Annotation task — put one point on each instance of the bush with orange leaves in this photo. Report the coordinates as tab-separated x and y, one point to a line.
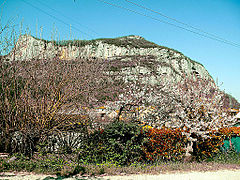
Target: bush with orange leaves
230	131
164	144
170	144
207	147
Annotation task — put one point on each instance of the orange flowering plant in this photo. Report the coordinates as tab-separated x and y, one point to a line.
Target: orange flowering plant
164	144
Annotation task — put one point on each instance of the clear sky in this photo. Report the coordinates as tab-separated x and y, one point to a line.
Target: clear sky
90	19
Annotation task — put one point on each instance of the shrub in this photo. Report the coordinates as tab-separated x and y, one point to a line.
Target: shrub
11	87
207	148
118	142
50	163
164	144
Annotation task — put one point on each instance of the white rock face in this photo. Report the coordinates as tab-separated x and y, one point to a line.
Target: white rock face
170	62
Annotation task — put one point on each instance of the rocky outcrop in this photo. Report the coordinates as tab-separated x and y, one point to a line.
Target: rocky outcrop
161	60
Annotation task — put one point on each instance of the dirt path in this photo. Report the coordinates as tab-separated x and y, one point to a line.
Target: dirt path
216	175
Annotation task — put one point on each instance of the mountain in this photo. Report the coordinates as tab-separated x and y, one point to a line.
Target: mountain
151	60
166	60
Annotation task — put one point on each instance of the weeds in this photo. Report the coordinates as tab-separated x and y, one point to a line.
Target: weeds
40	164
229	156
67	168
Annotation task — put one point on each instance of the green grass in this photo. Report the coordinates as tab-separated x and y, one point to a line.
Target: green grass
226	157
67	166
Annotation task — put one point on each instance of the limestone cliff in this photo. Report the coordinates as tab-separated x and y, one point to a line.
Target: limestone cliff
154	61
165	61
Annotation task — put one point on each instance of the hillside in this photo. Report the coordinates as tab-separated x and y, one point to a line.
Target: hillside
168	61
128	55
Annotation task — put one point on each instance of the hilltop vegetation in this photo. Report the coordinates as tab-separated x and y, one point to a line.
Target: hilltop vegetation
130	41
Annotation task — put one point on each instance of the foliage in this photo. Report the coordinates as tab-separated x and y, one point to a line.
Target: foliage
194	104
36	96
229	156
229	131
118	142
41	164
79	169
33	99
67	166
207	148
30	112
164	144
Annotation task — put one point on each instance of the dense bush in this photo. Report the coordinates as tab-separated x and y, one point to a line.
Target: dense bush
118	142
124	143
207	148
164	144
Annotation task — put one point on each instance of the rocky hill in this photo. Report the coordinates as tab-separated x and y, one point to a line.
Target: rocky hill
152	61
164	60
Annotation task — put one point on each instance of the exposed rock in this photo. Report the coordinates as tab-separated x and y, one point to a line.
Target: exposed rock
161	60
132	56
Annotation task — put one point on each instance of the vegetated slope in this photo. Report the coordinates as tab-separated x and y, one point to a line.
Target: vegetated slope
132	56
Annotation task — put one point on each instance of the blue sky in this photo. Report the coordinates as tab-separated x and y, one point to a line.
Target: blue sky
89	19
